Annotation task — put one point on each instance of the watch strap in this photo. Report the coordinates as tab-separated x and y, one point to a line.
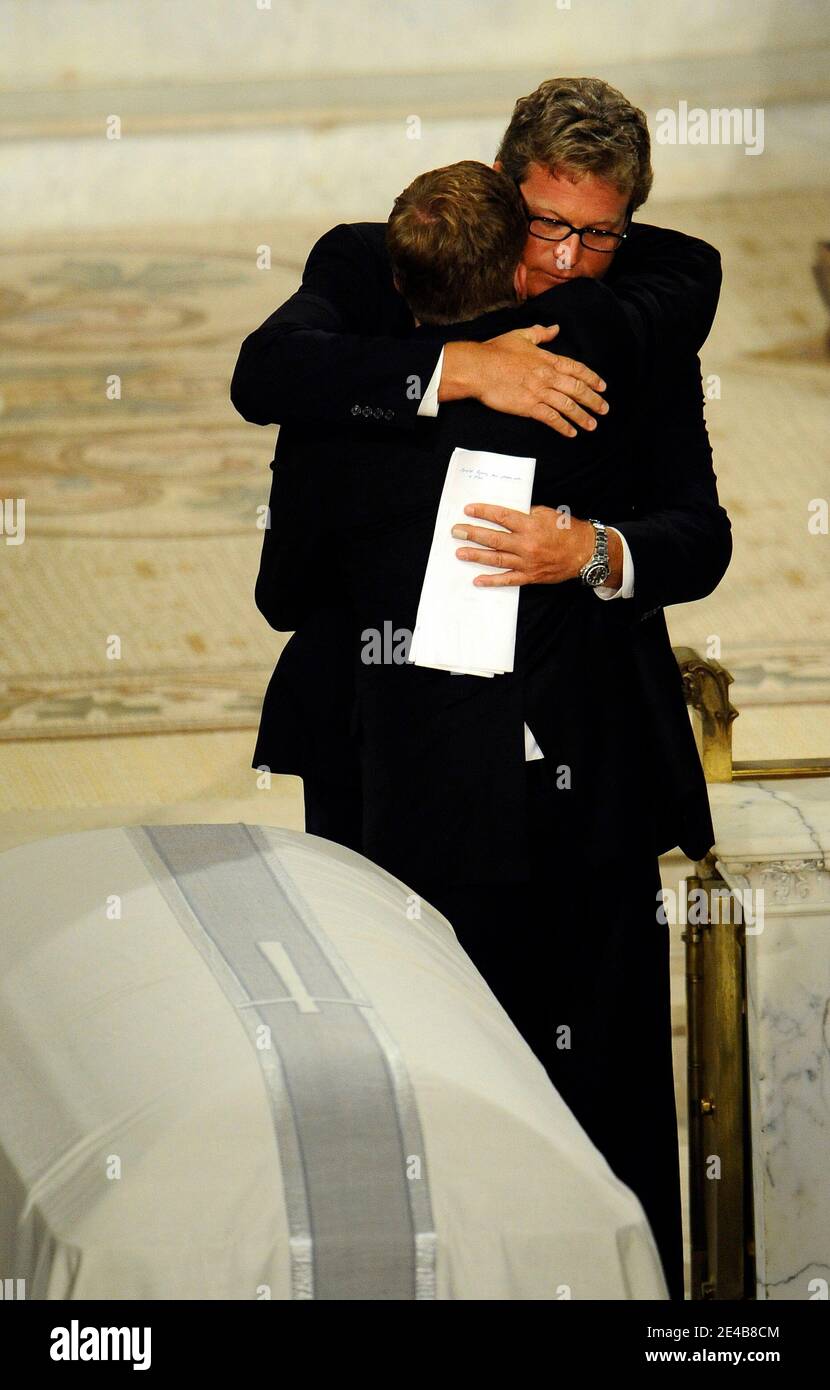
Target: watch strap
595	570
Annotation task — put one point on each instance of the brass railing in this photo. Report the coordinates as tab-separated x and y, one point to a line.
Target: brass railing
720	1147
706	684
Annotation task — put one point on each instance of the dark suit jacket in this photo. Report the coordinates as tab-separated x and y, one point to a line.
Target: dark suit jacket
678	534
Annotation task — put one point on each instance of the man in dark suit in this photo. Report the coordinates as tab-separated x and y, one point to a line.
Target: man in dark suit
341	349
369	501
619	971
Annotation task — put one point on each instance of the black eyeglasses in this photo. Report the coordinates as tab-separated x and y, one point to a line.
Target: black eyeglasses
554	229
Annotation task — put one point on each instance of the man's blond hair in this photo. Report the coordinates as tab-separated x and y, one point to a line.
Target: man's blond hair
455	237
576	126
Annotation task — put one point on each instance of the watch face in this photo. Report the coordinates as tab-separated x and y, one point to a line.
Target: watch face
596	574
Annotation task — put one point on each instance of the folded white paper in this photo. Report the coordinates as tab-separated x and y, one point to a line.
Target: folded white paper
461	627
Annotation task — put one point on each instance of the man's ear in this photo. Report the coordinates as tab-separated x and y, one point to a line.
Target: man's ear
520	281
498	166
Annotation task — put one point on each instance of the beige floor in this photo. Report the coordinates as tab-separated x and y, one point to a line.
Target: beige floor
769	431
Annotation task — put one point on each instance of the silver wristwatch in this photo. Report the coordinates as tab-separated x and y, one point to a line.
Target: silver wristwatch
595	571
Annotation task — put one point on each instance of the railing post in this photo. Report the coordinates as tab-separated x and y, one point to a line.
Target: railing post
706	686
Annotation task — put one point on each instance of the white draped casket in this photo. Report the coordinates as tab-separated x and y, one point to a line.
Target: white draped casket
235	1063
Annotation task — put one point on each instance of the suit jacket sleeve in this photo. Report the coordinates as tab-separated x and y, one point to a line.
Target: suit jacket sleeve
318	357
680	536
666	292
667	287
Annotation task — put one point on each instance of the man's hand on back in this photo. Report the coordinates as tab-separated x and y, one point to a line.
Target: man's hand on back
542	546
513	374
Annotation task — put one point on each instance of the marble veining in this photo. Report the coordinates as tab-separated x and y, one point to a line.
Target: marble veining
774	836
772	821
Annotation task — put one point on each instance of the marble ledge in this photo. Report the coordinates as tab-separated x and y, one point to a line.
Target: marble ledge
786	818
775	835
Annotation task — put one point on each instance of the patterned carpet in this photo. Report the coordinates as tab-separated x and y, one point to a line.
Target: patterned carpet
769	428
141	489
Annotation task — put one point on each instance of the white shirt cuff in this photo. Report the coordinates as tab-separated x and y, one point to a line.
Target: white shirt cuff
626	589
429	403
